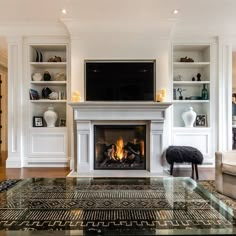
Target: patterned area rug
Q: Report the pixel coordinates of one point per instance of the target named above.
(147, 206)
(7, 184)
(210, 186)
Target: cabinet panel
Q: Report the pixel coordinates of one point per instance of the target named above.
(48, 144)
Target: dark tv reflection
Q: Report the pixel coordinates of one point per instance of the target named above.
(120, 80)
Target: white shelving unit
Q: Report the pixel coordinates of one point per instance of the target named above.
(47, 146)
(198, 136)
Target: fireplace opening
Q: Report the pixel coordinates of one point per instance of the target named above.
(120, 147)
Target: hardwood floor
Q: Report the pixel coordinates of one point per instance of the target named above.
(43, 172)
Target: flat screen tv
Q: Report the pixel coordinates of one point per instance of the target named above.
(120, 80)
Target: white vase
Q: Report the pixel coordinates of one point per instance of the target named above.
(50, 116)
(189, 117)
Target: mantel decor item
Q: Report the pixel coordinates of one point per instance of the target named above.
(50, 116)
(189, 117)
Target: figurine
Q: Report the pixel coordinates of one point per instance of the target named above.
(199, 77)
(193, 79)
(180, 90)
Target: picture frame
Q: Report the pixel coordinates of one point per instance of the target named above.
(201, 120)
(38, 121)
(62, 122)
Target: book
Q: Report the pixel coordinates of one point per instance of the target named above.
(34, 95)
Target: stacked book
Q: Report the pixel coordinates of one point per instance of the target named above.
(34, 95)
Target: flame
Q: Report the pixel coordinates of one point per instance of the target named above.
(119, 146)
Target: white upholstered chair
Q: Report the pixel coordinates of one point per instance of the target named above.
(225, 173)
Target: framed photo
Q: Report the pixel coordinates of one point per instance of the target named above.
(38, 121)
(201, 120)
(62, 122)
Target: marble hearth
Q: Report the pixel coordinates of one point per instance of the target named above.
(88, 114)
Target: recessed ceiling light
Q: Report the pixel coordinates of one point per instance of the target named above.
(63, 11)
(175, 11)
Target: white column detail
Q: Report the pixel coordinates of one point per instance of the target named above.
(83, 146)
(15, 63)
(156, 146)
(225, 95)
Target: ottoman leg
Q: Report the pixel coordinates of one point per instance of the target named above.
(196, 171)
(171, 168)
(192, 171)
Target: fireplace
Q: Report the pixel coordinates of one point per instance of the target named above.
(88, 115)
(120, 147)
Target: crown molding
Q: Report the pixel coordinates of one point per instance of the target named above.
(78, 29)
(33, 29)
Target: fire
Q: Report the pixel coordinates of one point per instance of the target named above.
(120, 146)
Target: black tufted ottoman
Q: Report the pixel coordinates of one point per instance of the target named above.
(180, 154)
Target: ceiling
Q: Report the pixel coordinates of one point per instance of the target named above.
(199, 17)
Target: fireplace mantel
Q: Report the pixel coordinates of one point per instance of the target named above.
(86, 114)
(119, 110)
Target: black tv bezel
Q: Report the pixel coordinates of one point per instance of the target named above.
(128, 61)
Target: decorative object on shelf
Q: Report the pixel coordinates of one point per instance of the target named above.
(45, 92)
(199, 77)
(201, 121)
(204, 93)
(62, 122)
(193, 98)
(180, 90)
(178, 78)
(186, 59)
(39, 56)
(59, 76)
(61, 95)
(53, 96)
(33, 94)
(189, 117)
(50, 116)
(38, 121)
(193, 79)
(174, 94)
(55, 59)
(76, 97)
(46, 76)
(37, 76)
(161, 95)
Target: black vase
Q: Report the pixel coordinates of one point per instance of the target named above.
(46, 76)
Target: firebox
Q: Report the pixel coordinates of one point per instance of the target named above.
(120, 147)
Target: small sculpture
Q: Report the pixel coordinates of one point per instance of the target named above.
(186, 59)
(45, 92)
(53, 96)
(178, 78)
(199, 77)
(60, 76)
(180, 90)
(55, 59)
(37, 76)
(193, 79)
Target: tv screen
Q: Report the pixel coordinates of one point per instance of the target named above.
(120, 80)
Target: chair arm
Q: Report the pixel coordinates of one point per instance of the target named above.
(218, 171)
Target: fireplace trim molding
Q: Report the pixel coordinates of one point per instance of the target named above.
(86, 114)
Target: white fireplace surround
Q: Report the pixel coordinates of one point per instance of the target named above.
(87, 114)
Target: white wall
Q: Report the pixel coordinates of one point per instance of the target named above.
(120, 48)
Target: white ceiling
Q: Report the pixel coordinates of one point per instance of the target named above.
(200, 17)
